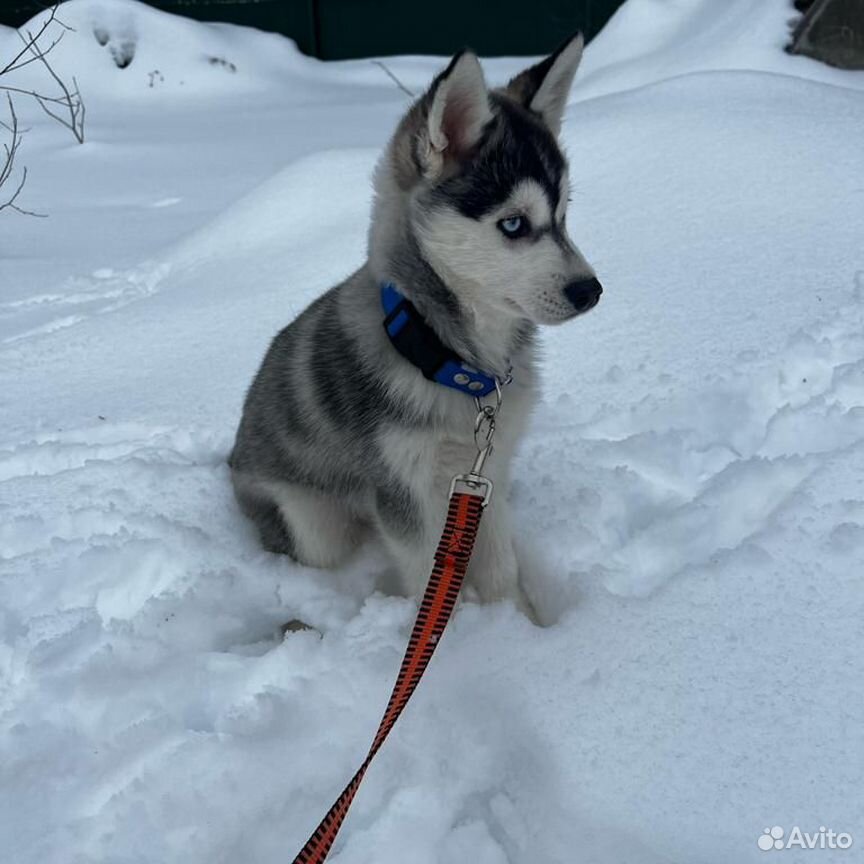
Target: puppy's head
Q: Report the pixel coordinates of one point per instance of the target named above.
(479, 180)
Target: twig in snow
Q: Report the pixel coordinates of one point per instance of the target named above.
(71, 100)
(393, 78)
(8, 166)
(16, 62)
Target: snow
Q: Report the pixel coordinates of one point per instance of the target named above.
(689, 502)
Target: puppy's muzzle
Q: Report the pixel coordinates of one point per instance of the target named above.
(584, 294)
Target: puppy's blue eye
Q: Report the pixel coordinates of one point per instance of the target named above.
(514, 226)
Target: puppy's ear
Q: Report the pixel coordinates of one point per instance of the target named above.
(544, 88)
(456, 110)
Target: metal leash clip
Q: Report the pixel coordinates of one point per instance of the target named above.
(484, 433)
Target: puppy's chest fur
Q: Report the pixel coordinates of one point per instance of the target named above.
(426, 459)
(430, 437)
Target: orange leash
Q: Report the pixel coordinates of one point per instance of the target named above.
(451, 562)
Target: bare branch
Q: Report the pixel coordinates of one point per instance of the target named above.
(7, 89)
(393, 78)
(82, 108)
(14, 62)
(8, 166)
(10, 149)
(71, 100)
(32, 52)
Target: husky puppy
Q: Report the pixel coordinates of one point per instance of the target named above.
(346, 428)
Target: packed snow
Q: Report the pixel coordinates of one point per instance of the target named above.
(689, 502)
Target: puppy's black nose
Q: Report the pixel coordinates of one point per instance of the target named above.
(584, 294)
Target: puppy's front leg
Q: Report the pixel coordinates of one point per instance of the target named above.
(410, 528)
(494, 569)
(493, 573)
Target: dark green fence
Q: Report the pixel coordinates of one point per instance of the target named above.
(336, 29)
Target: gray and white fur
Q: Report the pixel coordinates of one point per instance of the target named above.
(340, 434)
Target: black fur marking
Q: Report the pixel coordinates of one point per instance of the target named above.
(397, 509)
(274, 397)
(349, 393)
(515, 146)
(274, 533)
(282, 386)
(523, 335)
(438, 305)
(422, 284)
(559, 235)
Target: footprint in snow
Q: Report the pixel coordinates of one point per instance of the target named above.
(77, 300)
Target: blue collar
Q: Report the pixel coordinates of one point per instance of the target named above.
(418, 343)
